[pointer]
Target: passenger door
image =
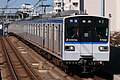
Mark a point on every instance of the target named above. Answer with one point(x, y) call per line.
point(86, 39)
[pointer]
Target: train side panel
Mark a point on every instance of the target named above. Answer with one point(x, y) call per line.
point(56, 39)
point(51, 37)
point(47, 35)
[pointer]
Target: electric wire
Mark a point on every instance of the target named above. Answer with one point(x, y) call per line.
point(12, 3)
point(36, 3)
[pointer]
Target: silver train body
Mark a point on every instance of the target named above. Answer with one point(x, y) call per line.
point(71, 38)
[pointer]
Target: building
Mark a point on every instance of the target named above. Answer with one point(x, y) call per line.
point(67, 5)
point(94, 7)
point(112, 11)
point(27, 8)
point(9, 17)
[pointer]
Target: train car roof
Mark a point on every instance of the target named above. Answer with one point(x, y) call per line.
point(86, 16)
point(54, 20)
point(57, 17)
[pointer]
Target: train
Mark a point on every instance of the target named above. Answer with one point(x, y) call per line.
point(1, 29)
point(82, 40)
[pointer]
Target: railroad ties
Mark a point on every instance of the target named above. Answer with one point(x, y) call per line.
point(21, 62)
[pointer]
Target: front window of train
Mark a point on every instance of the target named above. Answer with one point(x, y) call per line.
point(101, 30)
point(86, 29)
point(72, 29)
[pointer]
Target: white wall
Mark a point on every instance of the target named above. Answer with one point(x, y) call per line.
point(118, 15)
point(111, 8)
point(92, 7)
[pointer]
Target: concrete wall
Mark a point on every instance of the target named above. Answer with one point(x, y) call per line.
point(111, 10)
point(92, 7)
point(118, 15)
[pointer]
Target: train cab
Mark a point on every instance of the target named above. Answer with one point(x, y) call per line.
point(86, 37)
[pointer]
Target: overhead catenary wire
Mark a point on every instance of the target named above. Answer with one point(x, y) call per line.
point(6, 6)
point(36, 4)
point(12, 3)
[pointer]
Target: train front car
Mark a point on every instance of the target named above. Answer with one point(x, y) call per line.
point(86, 41)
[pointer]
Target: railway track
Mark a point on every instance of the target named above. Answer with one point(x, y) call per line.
point(39, 68)
point(24, 66)
point(43, 64)
point(17, 68)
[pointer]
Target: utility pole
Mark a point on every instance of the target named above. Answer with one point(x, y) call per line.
point(81, 6)
point(5, 26)
point(62, 5)
point(102, 7)
point(6, 6)
point(43, 6)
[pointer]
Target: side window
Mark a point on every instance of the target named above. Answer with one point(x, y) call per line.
point(48, 25)
point(53, 25)
point(48, 30)
point(59, 38)
point(30, 28)
point(86, 32)
point(36, 29)
point(39, 29)
point(27, 28)
point(43, 30)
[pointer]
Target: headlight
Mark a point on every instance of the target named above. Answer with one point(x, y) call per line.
point(69, 48)
point(103, 48)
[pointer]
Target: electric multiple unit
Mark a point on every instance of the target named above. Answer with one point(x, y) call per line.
point(74, 39)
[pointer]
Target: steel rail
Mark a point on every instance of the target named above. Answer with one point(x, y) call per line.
point(32, 74)
point(14, 74)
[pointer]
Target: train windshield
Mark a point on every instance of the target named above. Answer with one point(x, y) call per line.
point(72, 29)
point(101, 30)
point(86, 29)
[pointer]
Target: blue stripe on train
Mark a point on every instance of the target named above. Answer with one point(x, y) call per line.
point(86, 42)
point(42, 21)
